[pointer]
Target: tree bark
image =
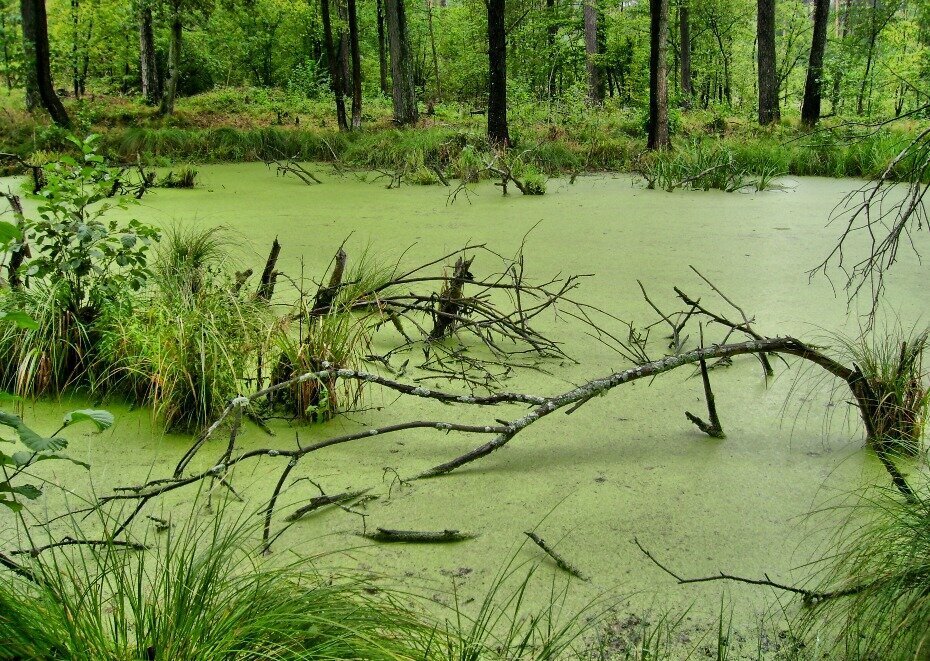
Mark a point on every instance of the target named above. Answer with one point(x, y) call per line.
point(356, 66)
point(593, 66)
point(684, 25)
point(552, 30)
point(148, 65)
point(382, 52)
point(174, 61)
point(403, 93)
point(870, 52)
point(658, 75)
point(497, 75)
point(35, 43)
point(332, 61)
point(768, 76)
point(810, 109)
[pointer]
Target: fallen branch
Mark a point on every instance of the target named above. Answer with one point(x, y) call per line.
point(560, 562)
point(322, 501)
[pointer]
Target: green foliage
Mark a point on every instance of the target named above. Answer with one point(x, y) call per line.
point(37, 448)
point(72, 248)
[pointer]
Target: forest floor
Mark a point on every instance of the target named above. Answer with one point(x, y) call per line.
point(251, 124)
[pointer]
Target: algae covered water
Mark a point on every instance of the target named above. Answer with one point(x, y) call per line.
point(628, 465)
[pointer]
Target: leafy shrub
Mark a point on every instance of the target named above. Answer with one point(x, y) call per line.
point(66, 266)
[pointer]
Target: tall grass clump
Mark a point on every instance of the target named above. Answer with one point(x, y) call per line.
point(338, 333)
point(879, 573)
point(892, 365)
point(202, 592)
point(190, 340)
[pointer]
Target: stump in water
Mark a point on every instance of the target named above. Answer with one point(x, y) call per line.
point(448, 307)
point(896, 400)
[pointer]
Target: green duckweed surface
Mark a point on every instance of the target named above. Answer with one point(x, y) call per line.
point(626, 465)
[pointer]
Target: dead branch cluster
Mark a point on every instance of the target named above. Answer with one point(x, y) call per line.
point(453, 309)
point(884, 214)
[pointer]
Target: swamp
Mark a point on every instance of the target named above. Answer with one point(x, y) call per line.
point(635, 371)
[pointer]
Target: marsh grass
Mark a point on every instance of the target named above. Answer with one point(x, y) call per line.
point(183, 177)
point(892, 362)
point(189, 342)
point(52, 355)
point(305, 339)
point(202, 592)
point(882, 557)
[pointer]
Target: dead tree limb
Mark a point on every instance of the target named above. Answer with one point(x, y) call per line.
point(810, 597)
point(266, 283)
point(326, 296)
point(712, 428)
point(319, 502)
point(560, 562)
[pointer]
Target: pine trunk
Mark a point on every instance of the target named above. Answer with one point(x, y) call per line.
point(35, 41)
point(332, 61)
point(403, 93)
point(148, 65)
point(595, 77)
point(684, 26)
point(658, 75)
point(382, 52)
point(174, 62)
point(810, 109)
point(356, 66)
point(497, 75)
point(768, 76)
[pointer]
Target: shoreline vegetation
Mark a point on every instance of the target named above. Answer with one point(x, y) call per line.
point(254, 124)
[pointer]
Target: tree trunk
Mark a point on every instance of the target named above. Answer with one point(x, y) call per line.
point(356, 66)
point(35, 42)
point(148, 65)
point(344, 49)
point(497, 75)
point(403, 93)
point(768, 76)
point(593, 66)
point(7, 72)
point(870, 52)
point(810, 109)
point(658, 75)
point(174, 61)
point(382, 52)
point(432, 41)
point(684, 25)
point(552, 30)
point(332, 61)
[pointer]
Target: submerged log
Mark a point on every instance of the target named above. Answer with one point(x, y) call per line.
point(418, 536)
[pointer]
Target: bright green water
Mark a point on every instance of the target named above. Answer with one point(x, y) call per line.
point(627, 465)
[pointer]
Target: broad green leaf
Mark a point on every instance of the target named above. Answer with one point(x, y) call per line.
point(10, 504)
point(9, 232)
point(101, 419)
point(28, 437)
point(21, 319)
point(29, 458)
point(29, 491)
